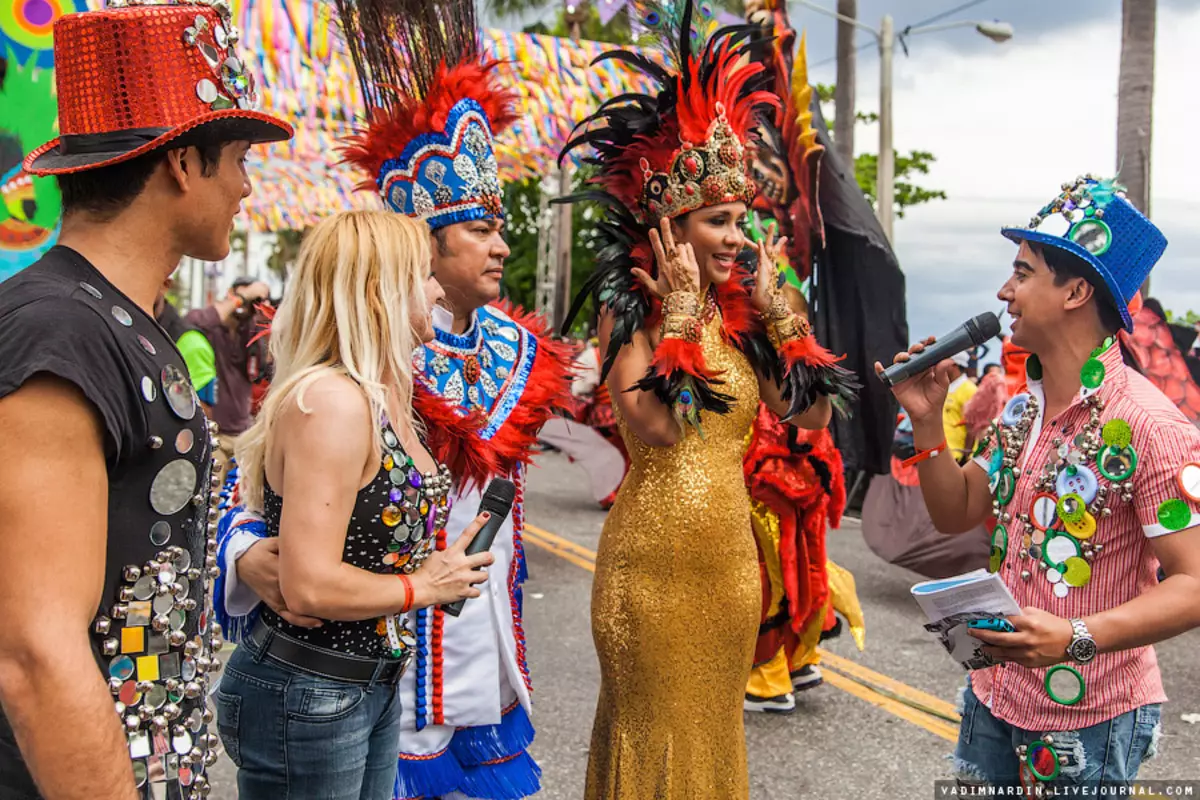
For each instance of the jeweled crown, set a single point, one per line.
(700, 174)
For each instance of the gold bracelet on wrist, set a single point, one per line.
(788, 329)
(778, 310)
(681, 326)
(682, 303)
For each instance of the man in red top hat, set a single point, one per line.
(105, 457)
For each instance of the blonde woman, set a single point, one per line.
(336, 464)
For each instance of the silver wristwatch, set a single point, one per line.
(1082, 648)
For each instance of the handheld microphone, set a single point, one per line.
(498, 501)
(971, 333)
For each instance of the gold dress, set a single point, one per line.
(675, 609)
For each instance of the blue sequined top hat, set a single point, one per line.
(1092, 220)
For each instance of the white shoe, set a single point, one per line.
(807, 677)
(781, 704)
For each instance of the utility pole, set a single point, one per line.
(844, 115)
(886, 190)
(562, 276)
(885, 179)
(1135, 103)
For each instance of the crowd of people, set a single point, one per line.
(401, 393)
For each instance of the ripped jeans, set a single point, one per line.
(1112, 751)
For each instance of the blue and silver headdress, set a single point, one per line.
(433, 107)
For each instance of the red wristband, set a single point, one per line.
(924, 455)
(408, 594)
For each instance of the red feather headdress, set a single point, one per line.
(684, 149)
(432, 101)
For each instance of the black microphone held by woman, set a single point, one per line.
(971, 333)
(497, 501)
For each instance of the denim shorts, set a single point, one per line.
(294, 735)
(1110, 752)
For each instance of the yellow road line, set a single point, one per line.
(559, 547)
(582, 557)
(857, 670)
(932, 724)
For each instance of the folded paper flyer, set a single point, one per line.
(951, 603)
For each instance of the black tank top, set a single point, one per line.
(395, 525)
(152, 634)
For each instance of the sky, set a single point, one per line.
(1009, 123)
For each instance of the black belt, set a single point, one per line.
(319, 661)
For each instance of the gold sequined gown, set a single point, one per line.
(675, 609)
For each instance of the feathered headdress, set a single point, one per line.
(665, 155)
(433, 106)
(684, 149)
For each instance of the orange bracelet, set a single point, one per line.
(408, 593)
(925, 455)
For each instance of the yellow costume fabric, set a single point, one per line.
(675, 609)
(773, 678)
(952, 415)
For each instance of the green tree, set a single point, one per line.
(866, 166)
(522, 199)
(283, 255)
(521, 203)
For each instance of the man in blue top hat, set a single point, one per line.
(1088, 482)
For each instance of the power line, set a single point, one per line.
(951, 12)
(831, 59)
(934, 18)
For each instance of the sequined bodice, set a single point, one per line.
(724, 434)
(393, 528)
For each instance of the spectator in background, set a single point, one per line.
(991, 369)
(193, 345)
(229, 326)
(962, 389)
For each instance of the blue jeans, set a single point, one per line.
(1111, 751)
(294, 735)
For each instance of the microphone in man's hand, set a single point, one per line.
(497, 501)
(971, 333)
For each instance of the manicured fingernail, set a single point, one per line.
(486, 515)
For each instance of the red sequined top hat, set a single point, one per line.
(136, 78)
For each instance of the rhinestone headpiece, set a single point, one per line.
(700, 174)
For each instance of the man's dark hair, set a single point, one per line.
(108, 191)
(241, 281)
(1067, 266)
(439, 236)
(1155, 307)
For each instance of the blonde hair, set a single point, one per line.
(346, 312)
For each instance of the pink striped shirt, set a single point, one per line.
(1164, 442)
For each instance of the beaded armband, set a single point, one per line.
(678, 376)
(788, 329)
(808, 369)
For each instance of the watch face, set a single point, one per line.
(1082, 650)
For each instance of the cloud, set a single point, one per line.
(1008, 125)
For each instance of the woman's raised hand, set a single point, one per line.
(766, 280)
(677, 267)
(450, 575)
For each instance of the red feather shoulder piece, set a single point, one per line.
(547, 393)
(454, 439)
